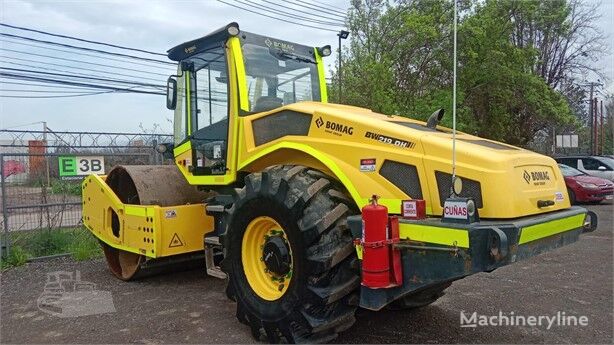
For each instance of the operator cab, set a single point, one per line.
(227, 74)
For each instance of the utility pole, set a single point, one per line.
(602, 133)
(591, 110)
(596, 136)
(45, 152)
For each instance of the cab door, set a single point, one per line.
(206, 121)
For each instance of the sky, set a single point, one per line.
(156, 26)
(151, 25)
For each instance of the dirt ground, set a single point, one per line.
(190, 307)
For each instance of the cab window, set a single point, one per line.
(209, 111)
(180, 129)
(278, 79)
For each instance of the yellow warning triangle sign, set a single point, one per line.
(175, 241)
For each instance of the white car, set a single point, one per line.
(599, 166)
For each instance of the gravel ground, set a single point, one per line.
(189, 307)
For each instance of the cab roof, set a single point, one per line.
(198, 45)
(219, 36)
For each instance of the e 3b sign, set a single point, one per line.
(79, 166)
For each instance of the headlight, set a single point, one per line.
(457, 185)
(588, 185)
(325, 51)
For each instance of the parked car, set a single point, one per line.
(582, 187)
(600, 166)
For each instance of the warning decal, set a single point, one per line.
(175, 241)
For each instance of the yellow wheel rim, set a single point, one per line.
(268, 285)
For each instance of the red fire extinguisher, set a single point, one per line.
(376, 251)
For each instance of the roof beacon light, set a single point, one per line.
(325, 51)
(233, 30)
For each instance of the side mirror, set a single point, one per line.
(602, 168)
(434, 119)
(171, 93)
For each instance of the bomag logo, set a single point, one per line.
(538, 177)
(286, 47)
(334, 127)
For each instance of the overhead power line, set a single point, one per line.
(294, 15)
(73, 60)
(119, 81)
(46, 68)
(328, 6)
(84, 48)
(41, 85)
(311, 9)
(40, 91)
(276, 18)
(64, 83)
(74, 83)
(72, 52)
(80, 39)
(57, 96)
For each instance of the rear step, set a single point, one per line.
(213, 247)
(216, 207)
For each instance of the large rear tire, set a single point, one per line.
(289, 256)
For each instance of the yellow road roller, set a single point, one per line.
(310, 210)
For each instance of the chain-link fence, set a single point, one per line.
(40, 188)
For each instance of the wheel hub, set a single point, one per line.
(276, 255)
(266, 255)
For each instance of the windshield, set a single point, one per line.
(277, 77)
(569, 171)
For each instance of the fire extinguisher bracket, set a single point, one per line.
(381, 262)
(376, 244)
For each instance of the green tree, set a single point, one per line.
(507, 101)
(518, 61)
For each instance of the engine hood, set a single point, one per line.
(506, 181)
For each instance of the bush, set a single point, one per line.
(66, 187)
(78, 242)
(17, 257)
(85, 250)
